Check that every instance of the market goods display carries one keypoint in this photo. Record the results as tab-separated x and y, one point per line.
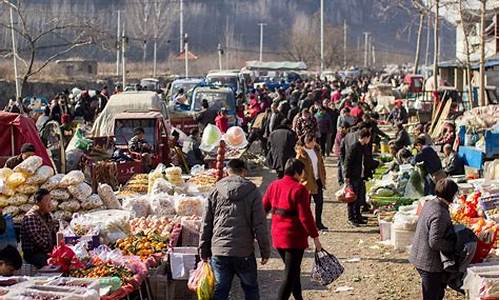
16	179
41	175
137	206
29	165
143	245
72	178
204	182
137	184
92	202
189	206
162	186
112	224
162	205
52	182
174	175
108	196
104	270
235	137
80	191
210	138
59	194
161	226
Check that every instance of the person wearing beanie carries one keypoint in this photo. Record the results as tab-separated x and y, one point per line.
27	150
10	261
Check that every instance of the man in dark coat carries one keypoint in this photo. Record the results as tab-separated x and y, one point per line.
353	155
281	147
402	137
206	115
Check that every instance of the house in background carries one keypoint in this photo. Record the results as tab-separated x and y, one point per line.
77	68
454	71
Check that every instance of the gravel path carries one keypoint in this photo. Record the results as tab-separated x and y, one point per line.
381	273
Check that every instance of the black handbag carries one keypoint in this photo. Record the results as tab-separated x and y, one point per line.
327	268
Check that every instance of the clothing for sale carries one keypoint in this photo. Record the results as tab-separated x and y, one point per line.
292	220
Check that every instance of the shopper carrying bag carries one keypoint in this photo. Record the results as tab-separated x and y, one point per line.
327	268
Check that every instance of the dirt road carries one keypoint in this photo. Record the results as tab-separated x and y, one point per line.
380	273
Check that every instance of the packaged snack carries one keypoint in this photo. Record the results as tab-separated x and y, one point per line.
91	202
72	178
138	206
29	165
162	205
5	173
41	175
188	206
71	205
80	191
108	197
18	199
59	194
27	189
16	179
52	182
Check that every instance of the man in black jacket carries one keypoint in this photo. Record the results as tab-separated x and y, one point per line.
454	165
354	155
281	147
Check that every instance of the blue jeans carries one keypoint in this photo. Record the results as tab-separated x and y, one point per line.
225	267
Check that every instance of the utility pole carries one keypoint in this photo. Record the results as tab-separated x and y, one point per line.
366	48
181	26
345	44
14	53
186	58
374	61
436	46
155	45
482	98
124	46
427	42
118	39
261	39
322	27
220	52
417	51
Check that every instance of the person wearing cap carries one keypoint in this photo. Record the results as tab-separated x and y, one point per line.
27	150
38	230
398	113
429	159
10	260
233	218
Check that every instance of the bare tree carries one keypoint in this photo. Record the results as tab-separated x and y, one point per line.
64	34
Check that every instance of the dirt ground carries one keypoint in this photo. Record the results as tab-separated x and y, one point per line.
380	273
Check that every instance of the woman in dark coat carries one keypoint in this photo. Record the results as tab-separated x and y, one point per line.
281	147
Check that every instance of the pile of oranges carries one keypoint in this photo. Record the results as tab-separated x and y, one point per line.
142	245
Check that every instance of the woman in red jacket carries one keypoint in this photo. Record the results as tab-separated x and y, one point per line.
292	224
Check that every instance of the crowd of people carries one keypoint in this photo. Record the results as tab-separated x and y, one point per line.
297	128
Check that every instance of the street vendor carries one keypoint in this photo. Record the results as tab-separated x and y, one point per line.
38	230
138	143
433	169
27	150
401	157
10	260
402	137
453	164
398	113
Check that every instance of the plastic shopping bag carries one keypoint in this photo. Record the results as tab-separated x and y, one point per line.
202	280
326	268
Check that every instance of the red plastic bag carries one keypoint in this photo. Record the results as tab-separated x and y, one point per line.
64	257
349	194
